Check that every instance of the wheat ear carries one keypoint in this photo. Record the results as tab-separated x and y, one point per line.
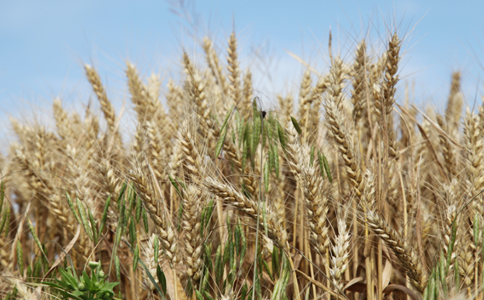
193	162
389	83
451	219
106	106
338	129
316	192
455	101
247	206
139	95
156	150
197	94
214	64
148	255
167	235
305	100
193	202
246	104
286	104
406	254
233	68
447	149
62	121
341	252
475	153
358	79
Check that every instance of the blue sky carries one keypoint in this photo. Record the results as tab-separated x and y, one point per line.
45	43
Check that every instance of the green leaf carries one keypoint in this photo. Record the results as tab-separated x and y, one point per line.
7	219
135	257
199	295
3	218
121	192
243	293
139	208
67	277
105	214
161	278
268	270
87	281
321	164
275	261
326	168
296	125
208	296
218	264
281	134
73	295
55	285
109	286
145	220
174	183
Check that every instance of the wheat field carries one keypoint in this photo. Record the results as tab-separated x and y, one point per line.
339	193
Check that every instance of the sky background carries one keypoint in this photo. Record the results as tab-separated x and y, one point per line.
45	44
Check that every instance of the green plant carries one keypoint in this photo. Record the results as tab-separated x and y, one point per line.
83	287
